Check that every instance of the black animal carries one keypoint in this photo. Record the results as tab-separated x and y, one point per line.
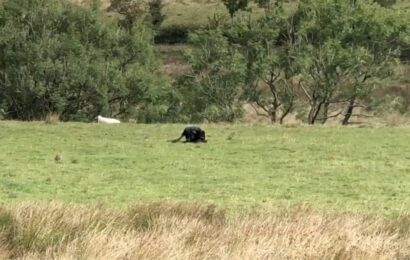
192	134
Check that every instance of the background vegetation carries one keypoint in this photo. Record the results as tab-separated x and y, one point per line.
58	57
316	60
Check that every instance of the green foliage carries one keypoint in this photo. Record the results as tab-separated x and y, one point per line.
155	10
172	34
263	3
212	90
72	61
267	4
342	49
235	5
268	67
389	100
67	59
239	64
325	53
131	10
386	3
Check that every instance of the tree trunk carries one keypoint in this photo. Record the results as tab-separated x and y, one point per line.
314	112
285	113
274	111
273	116
325	112
349	111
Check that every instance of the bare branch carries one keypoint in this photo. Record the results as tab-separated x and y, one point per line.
362	115
304	90
327	117
272	78
257	112
262	106
339	101
285	113
357	123
358	105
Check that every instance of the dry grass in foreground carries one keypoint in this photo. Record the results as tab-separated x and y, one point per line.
194	231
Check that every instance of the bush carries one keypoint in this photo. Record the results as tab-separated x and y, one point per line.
386	3
69	60
155	10
172	34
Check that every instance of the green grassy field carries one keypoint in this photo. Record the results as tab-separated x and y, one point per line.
347	169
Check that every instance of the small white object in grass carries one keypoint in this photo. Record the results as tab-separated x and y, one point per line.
106	120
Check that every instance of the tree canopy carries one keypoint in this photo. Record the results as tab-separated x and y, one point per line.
326	56
64	58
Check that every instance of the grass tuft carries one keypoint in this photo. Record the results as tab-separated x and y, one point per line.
52	118
146	216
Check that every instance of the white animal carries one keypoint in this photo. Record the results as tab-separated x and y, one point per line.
106	120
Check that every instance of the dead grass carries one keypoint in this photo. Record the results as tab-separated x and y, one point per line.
104	3
392	119
167	230
52	118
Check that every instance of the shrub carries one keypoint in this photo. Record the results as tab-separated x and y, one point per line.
71	61
172	34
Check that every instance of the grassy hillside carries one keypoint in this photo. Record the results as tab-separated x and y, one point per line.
364	169
193	13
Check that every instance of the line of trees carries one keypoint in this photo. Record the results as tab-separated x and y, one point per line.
321	60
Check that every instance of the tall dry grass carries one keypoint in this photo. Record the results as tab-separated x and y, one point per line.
52	118
104	3
194	231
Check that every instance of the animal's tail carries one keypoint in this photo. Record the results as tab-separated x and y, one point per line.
176	140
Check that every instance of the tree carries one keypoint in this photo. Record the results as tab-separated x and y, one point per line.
321	69
379	37
64	58
268	84
212	89
267	4
234	6
155	10
131	10
339	47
